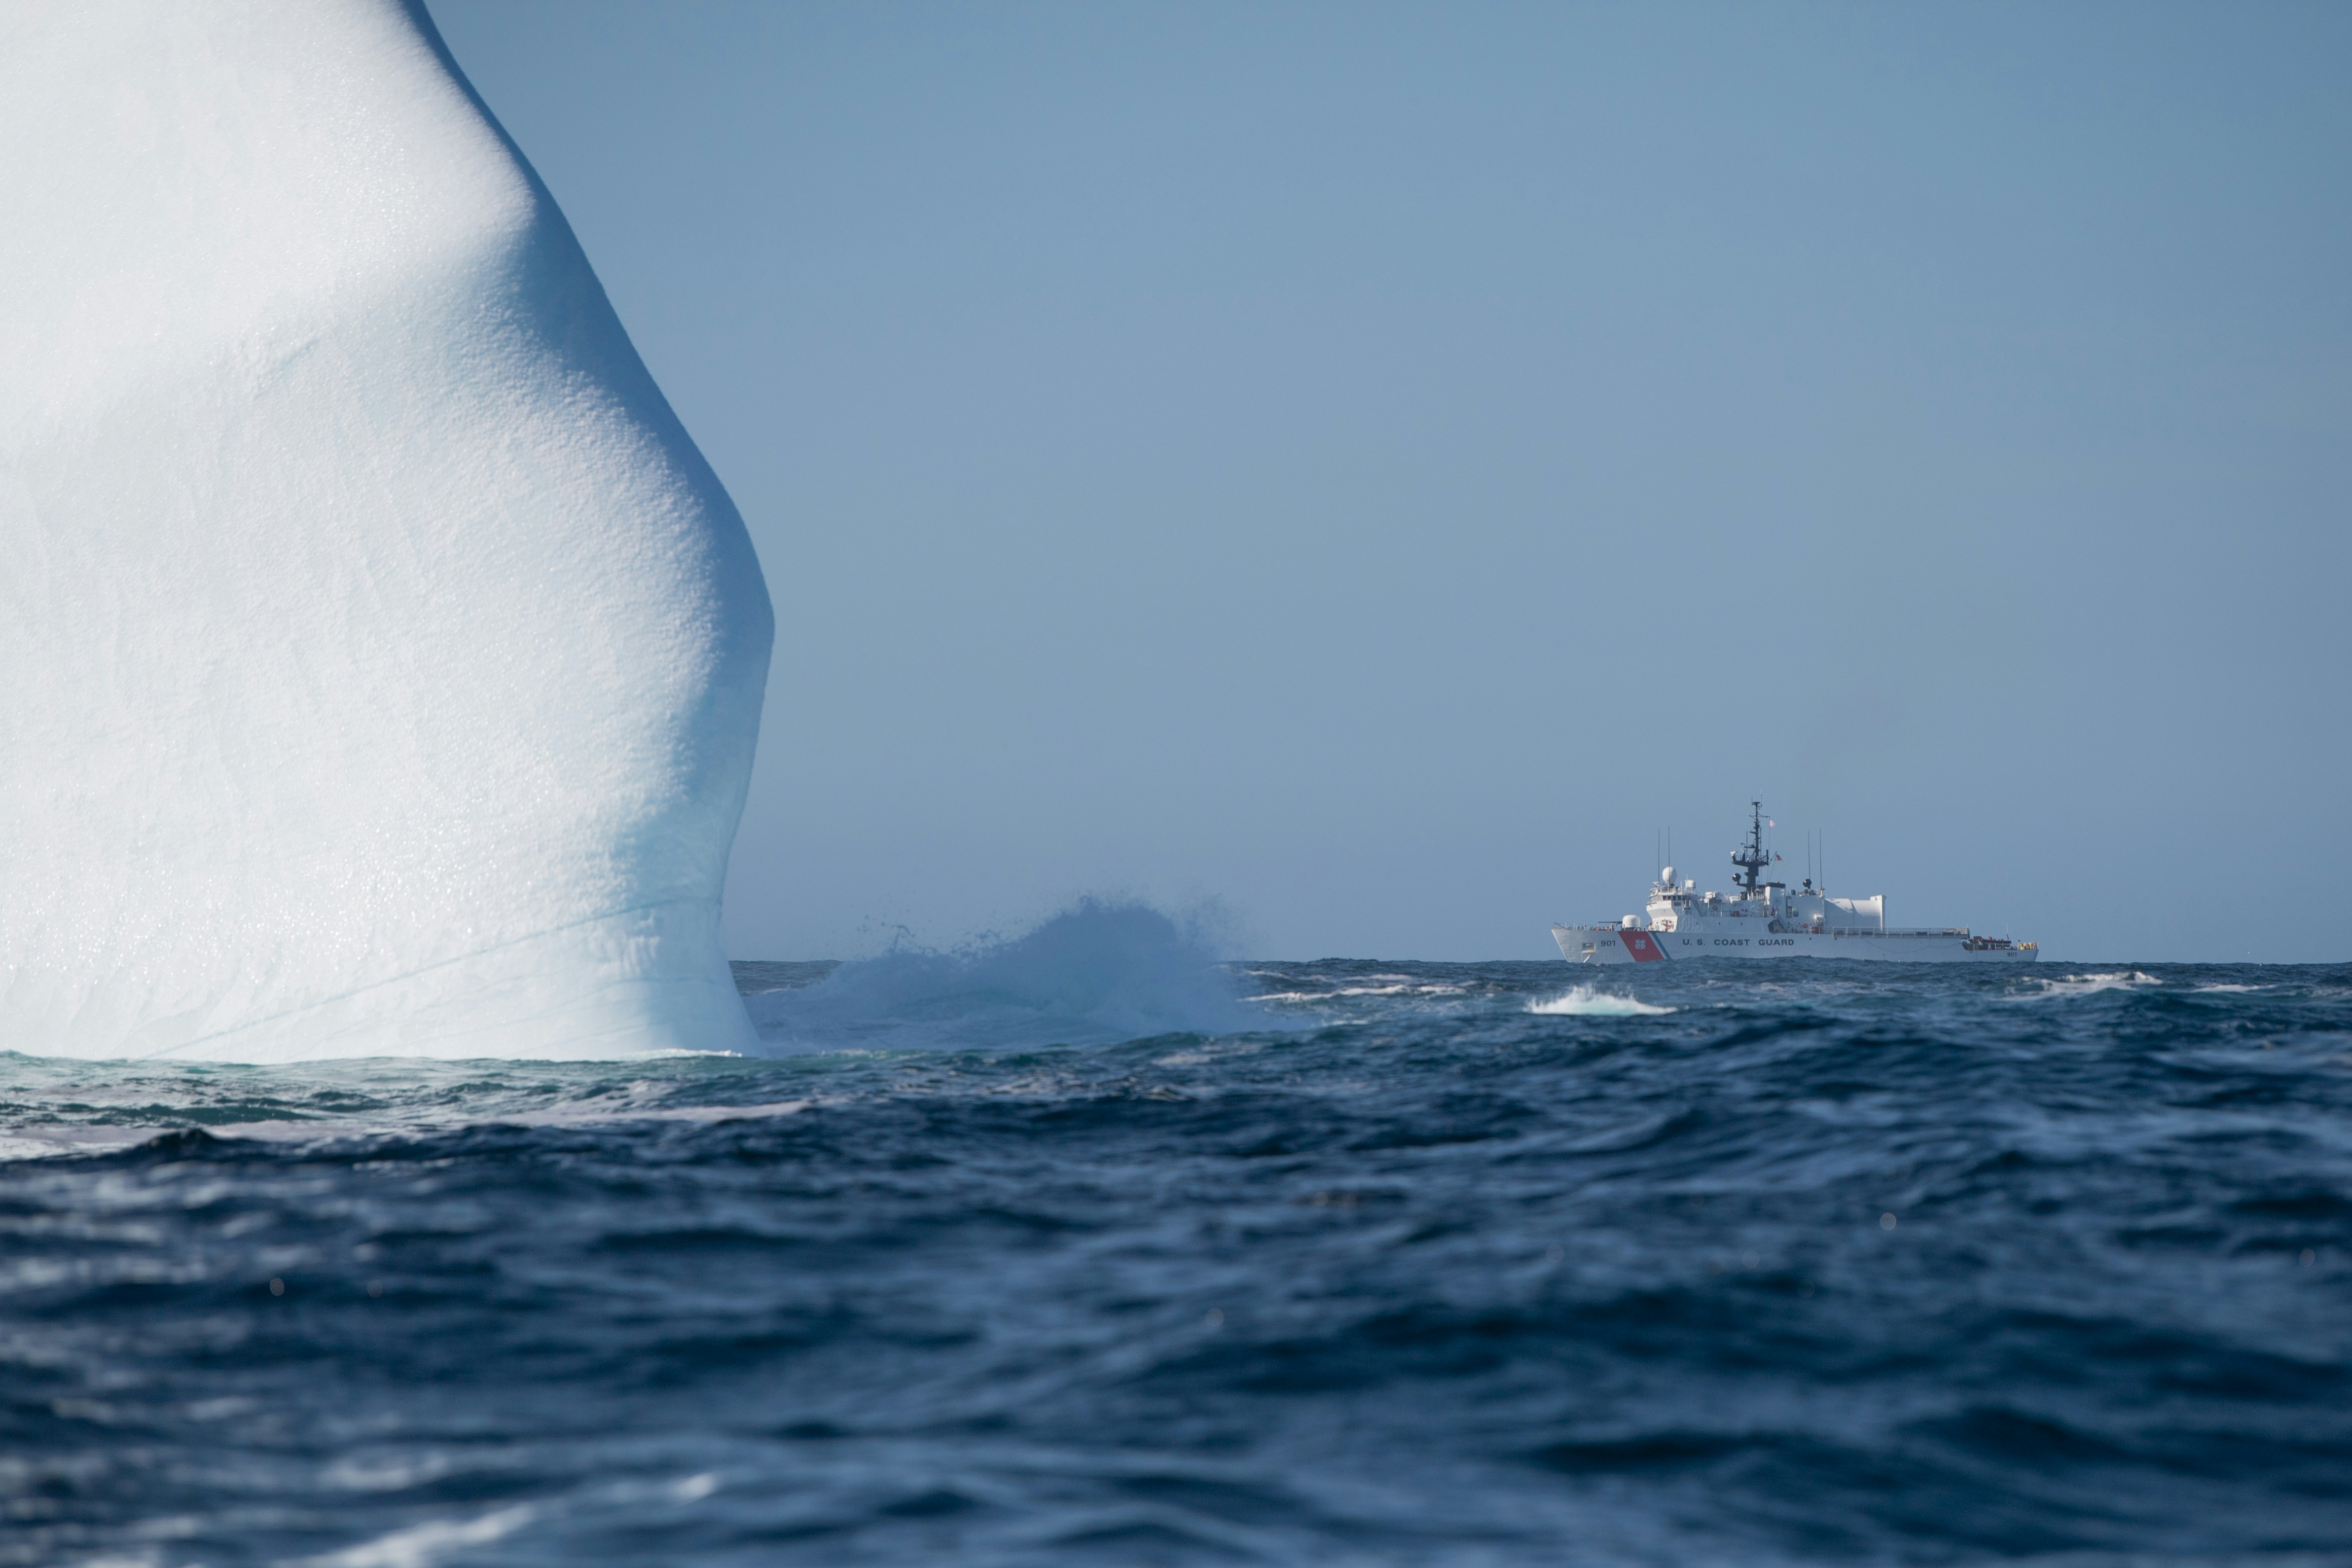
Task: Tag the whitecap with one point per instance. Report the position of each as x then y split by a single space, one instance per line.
1586 1002
1357 991
421 1545
2092 984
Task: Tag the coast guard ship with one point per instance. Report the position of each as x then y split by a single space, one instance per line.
1764 918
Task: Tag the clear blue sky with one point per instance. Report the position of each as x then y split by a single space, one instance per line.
1374 466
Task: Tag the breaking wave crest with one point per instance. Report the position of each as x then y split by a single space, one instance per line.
1588 1002
2092 984
1096 974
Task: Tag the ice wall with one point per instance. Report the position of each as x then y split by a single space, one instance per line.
379 662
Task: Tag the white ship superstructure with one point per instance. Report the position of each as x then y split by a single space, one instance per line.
1760 917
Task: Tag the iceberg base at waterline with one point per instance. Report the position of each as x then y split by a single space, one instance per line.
628 984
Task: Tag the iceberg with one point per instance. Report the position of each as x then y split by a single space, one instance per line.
380 661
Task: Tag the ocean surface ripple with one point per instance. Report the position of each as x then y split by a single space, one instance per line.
1398 1262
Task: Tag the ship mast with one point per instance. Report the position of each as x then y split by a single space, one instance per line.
1750 857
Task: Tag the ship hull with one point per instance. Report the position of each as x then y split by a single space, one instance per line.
1614 944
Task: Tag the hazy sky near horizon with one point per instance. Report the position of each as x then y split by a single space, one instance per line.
1373 468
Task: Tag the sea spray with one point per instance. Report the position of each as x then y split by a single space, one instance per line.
1096 973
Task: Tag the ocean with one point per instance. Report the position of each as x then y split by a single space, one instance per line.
1081 1249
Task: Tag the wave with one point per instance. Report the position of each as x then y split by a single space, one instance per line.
2091 984
81 1109
1357 991
1097 973
1588 1002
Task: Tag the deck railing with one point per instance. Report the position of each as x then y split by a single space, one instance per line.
1902 930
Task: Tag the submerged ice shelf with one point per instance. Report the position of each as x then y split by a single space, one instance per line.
384 662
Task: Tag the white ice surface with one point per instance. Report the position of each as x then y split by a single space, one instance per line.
379 662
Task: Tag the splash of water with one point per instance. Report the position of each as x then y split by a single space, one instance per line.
1096 974
1589 1002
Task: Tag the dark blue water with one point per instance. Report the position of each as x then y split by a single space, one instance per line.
1413 1263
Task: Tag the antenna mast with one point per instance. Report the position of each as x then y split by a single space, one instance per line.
1751 857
